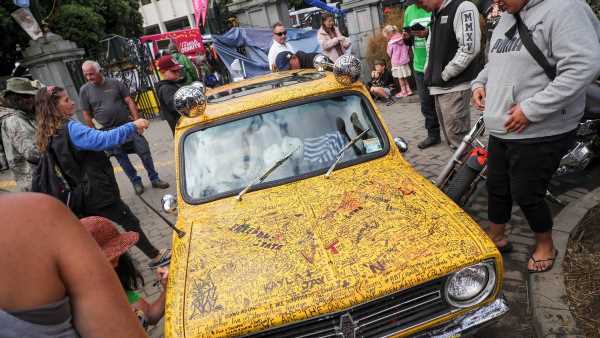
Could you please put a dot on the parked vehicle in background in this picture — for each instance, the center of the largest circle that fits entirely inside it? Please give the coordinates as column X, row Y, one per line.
column 308, row 17
column 189, row 42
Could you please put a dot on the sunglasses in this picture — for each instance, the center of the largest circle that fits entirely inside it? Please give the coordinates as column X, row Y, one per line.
column 281, row 33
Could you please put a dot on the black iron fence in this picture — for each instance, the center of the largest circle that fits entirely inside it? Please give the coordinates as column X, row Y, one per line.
column 74, row 68
column 129, row 61
column 147, row 102
column 141, row 86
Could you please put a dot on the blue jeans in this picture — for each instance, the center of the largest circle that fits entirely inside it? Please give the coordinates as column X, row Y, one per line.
column 142, row 149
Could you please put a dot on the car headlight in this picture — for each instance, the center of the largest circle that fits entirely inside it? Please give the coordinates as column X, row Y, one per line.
column 471, row 285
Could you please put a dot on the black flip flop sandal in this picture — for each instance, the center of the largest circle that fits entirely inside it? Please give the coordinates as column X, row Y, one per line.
column 548, row 268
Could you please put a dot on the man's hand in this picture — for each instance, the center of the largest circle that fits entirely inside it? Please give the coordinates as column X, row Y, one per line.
column 517, row 121
column 162, row 273
column 87, row 118
column 133, row 108
column 141, row 125
column 479, row 98
column 422, row 34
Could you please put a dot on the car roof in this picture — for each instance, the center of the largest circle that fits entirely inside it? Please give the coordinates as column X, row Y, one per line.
column 264, row 91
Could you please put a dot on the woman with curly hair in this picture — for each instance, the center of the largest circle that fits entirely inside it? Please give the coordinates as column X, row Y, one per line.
column 79, row 152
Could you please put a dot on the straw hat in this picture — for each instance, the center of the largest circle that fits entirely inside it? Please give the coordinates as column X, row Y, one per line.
column 111, row 241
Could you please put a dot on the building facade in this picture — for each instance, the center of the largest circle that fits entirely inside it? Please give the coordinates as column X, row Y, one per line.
column 166, row 15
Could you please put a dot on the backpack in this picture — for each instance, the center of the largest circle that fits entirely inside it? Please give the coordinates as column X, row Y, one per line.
column 48, row 178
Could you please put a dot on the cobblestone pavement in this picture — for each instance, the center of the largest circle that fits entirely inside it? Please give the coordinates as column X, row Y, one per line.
column 405, row 120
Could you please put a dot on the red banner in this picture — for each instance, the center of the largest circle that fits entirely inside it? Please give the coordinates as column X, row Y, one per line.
column 188, row 41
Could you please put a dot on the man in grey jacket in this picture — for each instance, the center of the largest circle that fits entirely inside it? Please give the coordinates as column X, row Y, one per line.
column 453, row 62
column 531, row 117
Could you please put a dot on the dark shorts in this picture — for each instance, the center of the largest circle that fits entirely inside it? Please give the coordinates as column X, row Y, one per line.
column 521, row 171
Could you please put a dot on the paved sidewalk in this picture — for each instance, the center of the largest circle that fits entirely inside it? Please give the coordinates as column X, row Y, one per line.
column 552, row 316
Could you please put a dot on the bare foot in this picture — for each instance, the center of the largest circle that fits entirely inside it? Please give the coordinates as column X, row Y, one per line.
column 499, row 239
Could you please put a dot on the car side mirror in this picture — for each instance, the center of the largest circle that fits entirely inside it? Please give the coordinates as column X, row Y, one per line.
column 169, row 203
column 401, row 144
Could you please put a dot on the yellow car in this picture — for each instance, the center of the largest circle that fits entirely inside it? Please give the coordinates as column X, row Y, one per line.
column 299, row 217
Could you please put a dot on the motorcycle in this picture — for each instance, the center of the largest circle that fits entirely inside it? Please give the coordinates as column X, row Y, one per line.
column 467, row 167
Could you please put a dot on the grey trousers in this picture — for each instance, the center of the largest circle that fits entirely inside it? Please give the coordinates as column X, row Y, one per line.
column 454, row 114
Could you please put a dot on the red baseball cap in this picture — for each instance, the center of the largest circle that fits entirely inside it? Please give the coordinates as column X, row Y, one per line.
column 167, row 62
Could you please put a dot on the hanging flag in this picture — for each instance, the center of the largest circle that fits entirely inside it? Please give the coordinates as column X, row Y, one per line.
column 200, row 9
column 204, row 10
column 28, row 22
column 197, row 5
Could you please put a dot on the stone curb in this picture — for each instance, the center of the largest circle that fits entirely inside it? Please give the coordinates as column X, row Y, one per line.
column 547, row 293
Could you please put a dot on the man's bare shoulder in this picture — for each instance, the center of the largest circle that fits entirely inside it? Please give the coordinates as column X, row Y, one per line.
column 35, row 206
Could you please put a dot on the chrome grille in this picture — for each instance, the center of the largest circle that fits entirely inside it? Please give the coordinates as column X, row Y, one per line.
column 378, row 318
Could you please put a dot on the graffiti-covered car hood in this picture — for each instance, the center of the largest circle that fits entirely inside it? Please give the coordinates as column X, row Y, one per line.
column 316, row 246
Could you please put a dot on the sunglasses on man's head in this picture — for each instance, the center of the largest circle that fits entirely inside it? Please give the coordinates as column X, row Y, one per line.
column 281, row 33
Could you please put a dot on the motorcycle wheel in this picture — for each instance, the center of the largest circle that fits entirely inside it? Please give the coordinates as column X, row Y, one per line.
column 460, row 183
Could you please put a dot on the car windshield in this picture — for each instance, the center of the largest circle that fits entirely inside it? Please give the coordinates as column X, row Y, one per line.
column 224, row 158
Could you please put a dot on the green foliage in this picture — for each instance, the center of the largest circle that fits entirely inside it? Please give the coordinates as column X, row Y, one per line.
column 88, row 21
column 85, row 22
column 68, row 23
column 12, row 35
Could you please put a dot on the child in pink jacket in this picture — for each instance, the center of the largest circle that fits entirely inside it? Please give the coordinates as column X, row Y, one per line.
column 399, row 55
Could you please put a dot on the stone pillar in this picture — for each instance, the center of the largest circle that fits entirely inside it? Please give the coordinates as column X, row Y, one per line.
column 363, row 20
column 47, row 59
column 260, row 13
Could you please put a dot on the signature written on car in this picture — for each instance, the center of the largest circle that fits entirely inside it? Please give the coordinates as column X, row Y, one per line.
column 261, row 238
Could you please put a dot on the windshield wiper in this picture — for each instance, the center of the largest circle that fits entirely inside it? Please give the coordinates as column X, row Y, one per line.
column 340, row 154
column 264, row 175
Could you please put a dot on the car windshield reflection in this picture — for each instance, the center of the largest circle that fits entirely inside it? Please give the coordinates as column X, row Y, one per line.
column 224, row 158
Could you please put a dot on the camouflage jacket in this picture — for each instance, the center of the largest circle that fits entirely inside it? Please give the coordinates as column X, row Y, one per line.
column 18, row 138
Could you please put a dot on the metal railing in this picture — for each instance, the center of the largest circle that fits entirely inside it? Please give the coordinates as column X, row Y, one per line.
column 74, row 68
column 148, row 105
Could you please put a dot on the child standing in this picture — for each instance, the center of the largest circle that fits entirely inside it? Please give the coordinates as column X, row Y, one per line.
column 382, row 82
column 398, row 51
